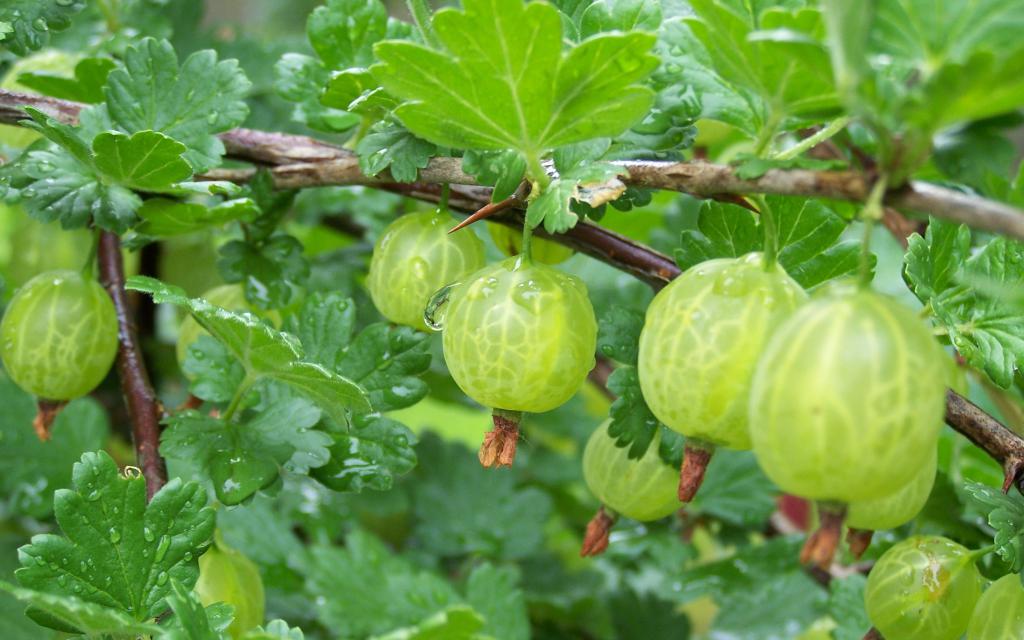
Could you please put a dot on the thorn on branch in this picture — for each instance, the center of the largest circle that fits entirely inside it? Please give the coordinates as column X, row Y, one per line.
column 1012, row 472
column 595, row 541
column 499, row 447
column 46, row 412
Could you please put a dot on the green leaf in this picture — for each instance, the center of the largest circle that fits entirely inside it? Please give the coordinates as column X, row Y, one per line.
column 758, row 69
column 147, row 94
column 753, row 167
column 72, row 614
column 964, row 292
column 355, row 90
column 325, row 326
column 620, row 15
column 807, row 232
column 272, row 270
column 29, row 23
column 214, row 373
column 28, row 488
column 192, row 621
column 145, row 161
column 493, row 591
column 343, row 32
column 165, row 218
column 526, row 94
column 593, row 184
column 618, row 335
column 243, row 456
column 633, row 424
column 369, row 455
column 390, row 146
column 86, row 86
column 735, row 490
column 458, row 622
column 263, row 351
column 647, row 616
column 367, row 590
column 274, row 630
column 503, row 170
column 385, row 360
column 1005, row 514
column 507, row 521
column 846, row 607
column 300, row 79
column 119, row 552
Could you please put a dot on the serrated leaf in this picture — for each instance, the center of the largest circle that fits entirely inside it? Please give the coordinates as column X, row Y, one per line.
column 964, row 293
column 274, row 630
column 366, row 590
column 355, row 90
column 86, row 86
column 807, row 234
column 592, row 184
column 846, row 607
column 165, row 218
column 527, row 94
column 300, row 79
column 385, row 360
column 146, row 160
column 192, row 621
column 493, row 591
column 29, row 23
column 70, row 613
column 119, row 552
column 507, row 521
column 325, row 326
column 213, row 372
column 1005, row 514
column 28, row 488
column 343, row 32
column 369, row 455
column 243, row 456
column 190, row 103
column 458, row 622
column 632, row 424
column 503, row 170
column 263, row 351
column 272, row 271
column 620, row 15
column 618, row 335
column 647, row 616
column 388, row 146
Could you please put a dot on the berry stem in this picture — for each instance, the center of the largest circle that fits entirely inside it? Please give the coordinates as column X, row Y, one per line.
column 869, row 215
column 46, row 412
column 859, row 541
column 696, row 457
column 595, row 541
column 821, row 547
column 499, row 446
column 771, row 233
column 873, row 634
column 446, row 191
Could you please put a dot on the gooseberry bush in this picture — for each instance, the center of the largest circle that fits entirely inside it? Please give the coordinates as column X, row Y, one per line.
column 506, row 320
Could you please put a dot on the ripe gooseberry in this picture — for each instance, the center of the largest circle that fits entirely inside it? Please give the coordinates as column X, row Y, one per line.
column 923, row 588
column 518, row 336
column 643, row 489
column 226, row 575
column 58, row 336
column 891, row 511
column 846, row 404
column 413, row 258
column 510, row 242
column 701, row 340
column 999, row 614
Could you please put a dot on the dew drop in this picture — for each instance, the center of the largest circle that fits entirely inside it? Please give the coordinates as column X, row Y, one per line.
column 115, row 535
column 161, row 548
column 161, row 578
column 147, row 533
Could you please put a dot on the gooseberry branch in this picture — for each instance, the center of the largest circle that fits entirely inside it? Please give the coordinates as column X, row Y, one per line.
column 143, row 406
column 300, row 161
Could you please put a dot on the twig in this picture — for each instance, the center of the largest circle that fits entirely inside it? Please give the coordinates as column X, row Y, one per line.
column 143, row 406
column 300, row 161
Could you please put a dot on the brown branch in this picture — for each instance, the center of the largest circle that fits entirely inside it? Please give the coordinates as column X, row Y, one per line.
column 301, row 161
column 304, row 161
column 143, row 406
